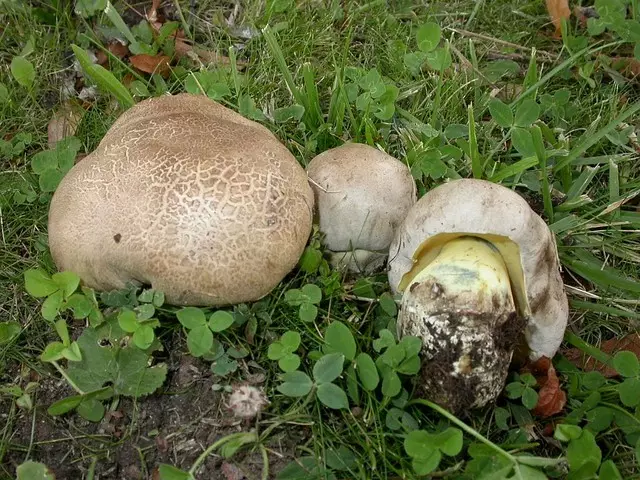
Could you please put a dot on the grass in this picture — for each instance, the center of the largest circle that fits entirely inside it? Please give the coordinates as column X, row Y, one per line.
column 306, row 57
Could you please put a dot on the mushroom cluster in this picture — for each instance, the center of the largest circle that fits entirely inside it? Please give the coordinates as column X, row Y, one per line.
column 209, row 207
column 187, row 196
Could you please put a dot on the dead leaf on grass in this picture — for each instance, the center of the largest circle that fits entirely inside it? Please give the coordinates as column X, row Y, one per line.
column 627, row 66
column 583, row 14
column 551, row 398
column 114, row 47
column 64, row 122
column 151, row 63
column 558, row 9
column 231, row 472
column 586, row 363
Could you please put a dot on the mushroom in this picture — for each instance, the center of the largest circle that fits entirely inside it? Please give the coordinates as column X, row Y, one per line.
column 187, row 196
column 478, row 270
column 362, row 195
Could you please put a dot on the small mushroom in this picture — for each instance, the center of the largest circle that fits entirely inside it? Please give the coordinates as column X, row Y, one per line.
column 362, row 195
column 187, row 196
column 479, row 274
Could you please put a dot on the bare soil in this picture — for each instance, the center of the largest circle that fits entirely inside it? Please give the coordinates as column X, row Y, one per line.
column 174, row 426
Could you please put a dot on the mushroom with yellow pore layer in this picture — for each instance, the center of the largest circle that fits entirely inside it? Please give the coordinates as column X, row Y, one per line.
column 187, row 196
column 477, row 269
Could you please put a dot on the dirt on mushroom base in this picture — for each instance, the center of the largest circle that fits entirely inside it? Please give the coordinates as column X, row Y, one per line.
column 172, row 426
column 436, row 378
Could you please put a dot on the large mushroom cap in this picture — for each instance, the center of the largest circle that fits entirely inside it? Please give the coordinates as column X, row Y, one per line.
column 437, row 254
column 187, row 196
column 362, row 194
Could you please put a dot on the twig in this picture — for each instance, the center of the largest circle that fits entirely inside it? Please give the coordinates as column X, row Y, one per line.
column 516, row 57
column 488, row 38
column 468, row 64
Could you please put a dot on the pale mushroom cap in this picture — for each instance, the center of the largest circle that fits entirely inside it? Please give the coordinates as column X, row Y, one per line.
column 362, row 195
column 484, row 208
column 187, row 196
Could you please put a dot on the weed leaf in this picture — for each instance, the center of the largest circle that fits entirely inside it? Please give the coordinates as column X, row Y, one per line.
column 338, row 338
column 296, row 384
column 34, row 471
column 328, row 368
column 332, row 396
column 220, row 321
column 501, row 113
column 428, row 36
column 199, row 341
column 169, row 472
column 38, row 284
column 367, row 372
column 23, row 71
column 191, row 317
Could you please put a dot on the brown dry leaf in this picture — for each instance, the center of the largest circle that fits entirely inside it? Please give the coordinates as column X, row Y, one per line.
column 151, row 63
column 551, row 398
column 116, row 48
column 627, row 66
column 629, row 342
column 162, row 444
column 183, row 48
column 583, row 14
column 231, row 472
column 558, row 9
column 64, row 122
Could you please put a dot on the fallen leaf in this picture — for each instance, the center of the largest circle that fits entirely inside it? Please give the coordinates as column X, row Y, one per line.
column 118, row 49
column 231, row 472
column 64, row 122
column 152, row 14
column 627, row 66
column 586, row 363
column 151, row 63
column 558, row 9
column 551, row 398
column 162, row 444
column 583, row 14
column 549, row 428
column 183, row 48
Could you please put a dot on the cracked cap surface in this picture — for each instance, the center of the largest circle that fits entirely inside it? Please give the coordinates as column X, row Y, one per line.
column 187, row 196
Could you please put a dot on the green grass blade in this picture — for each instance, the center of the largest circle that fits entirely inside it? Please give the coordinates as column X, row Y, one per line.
column 278, row 56
column 117, row 21
column 313, row 113
column 582, row 182
column 103, row 78
column 514, row 169
column 599, row 308
column 590, row 140
column 538, row 144
column 592, row 269
column 476, row 162
column 566, row 64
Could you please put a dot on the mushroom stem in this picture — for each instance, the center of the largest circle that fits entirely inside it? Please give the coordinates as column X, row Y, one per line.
column 462, row 306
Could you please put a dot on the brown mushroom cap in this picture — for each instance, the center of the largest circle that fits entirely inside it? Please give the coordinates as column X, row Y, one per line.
column 187, row 196
column 362, row 195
